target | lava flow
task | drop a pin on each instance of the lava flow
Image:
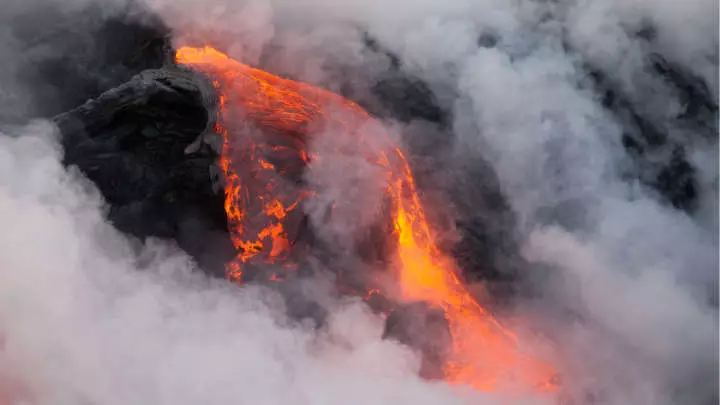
(483, 354)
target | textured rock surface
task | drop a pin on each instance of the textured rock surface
(142, 144)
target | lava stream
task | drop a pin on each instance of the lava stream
(483, 355)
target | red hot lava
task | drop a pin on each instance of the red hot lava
(483, 354)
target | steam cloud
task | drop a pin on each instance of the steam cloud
(88, 318)
(627, 282)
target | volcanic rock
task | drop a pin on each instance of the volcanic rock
(144, 145)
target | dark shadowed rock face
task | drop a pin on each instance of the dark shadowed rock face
(141, 144)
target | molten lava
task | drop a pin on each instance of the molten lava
(483, 353)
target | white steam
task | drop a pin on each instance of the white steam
(86, 317)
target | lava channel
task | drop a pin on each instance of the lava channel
(483, 354)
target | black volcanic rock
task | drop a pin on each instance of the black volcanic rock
(405, 97)
(142, 144)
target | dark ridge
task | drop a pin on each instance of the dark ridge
(139, 143)
(408, 99)
(676, 181)
(404, 96)
(700, 107)
(488, 248)
(660, 162)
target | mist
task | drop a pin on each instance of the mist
(88, 317)
(624, 277)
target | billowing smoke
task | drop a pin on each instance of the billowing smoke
(87, 317)
(597, 120)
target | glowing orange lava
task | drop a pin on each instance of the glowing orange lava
(483, 354)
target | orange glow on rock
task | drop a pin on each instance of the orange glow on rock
(484, 354)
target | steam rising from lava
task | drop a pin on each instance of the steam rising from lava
(483, 355)
(96, 319)
(549, 93)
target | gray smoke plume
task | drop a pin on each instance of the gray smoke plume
(549, 94)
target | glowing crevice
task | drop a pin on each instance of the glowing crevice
(483, 355)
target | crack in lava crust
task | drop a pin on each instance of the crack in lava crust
(483, 354)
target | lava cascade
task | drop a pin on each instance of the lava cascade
(483, 354)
